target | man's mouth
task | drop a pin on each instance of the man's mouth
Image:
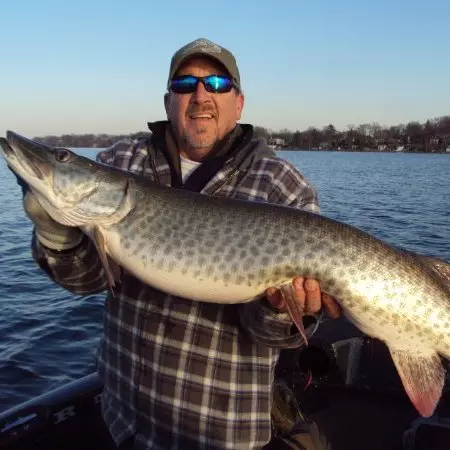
(203, 116)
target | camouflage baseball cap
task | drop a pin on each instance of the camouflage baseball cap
(204, 47)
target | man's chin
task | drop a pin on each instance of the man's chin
(201, 142)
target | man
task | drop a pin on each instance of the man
(176, 373)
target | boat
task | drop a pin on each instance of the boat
(355, 397)
(66, 418)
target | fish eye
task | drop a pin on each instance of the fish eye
(62, 155)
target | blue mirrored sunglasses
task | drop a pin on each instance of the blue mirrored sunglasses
(186, 84)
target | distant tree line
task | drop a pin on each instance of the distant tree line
(430, 136)
(88, 140)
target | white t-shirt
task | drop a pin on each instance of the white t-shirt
(187, 167)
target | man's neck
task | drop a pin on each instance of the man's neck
(195, 154)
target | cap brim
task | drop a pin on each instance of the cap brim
(193, 55)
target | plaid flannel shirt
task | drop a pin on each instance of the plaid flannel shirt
(180, 374)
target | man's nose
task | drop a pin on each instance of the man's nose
(201, 94)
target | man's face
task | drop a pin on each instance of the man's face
(202, 118)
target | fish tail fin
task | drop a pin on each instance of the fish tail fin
(422, 376)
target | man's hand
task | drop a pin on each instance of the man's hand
(308, 294)
(50, 233)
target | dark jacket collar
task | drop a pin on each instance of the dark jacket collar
(229, 147)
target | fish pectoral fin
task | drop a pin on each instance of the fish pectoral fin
(295, 308)
(422, 376)
(111, 268)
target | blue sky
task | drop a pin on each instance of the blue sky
(101, 66)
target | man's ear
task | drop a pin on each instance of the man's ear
(239, 105)
(166, 102)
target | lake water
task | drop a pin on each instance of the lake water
(50, 337)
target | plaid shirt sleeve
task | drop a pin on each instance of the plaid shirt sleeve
(276, 181)
(78, 270)
(291, 188)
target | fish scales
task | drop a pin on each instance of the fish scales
(293, 242)
(228, 251)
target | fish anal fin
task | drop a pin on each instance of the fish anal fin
(422, 376)
(111, 268)
(295, 308)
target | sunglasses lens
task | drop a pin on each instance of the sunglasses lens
(184, 85)
(187, 84)
(218, 83)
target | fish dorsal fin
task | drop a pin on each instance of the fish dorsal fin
(440, 267)
(111, 268)
(422, 376)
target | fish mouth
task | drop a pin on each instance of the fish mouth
(24, 156)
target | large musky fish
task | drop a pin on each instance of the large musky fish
(228, 251)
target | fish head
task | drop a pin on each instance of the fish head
(73, 189)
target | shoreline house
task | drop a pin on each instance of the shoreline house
(276, 143)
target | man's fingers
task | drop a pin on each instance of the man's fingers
(275, 298)
(313, 296)
(299, 289)
(331, 305)
(308, 296)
